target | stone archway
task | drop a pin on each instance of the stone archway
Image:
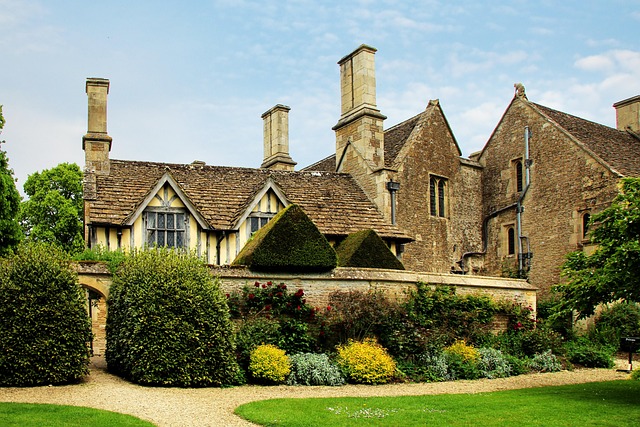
(97, 311)
(96, 279)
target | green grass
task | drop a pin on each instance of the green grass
(33, 414)
(613, 403)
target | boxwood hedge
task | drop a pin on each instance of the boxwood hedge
(366, 249)
(289, 242)
(45, 330)
(168, 322)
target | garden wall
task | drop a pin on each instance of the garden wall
(317, 286)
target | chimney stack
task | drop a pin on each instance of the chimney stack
(97, 143)
(361, 123)
(628, 114)
(276, 139)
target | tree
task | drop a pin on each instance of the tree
(611, 272)
(53, 212)
(10, 233)
(45, 329)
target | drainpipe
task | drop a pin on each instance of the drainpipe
(393, 187)
(485, 237)
(520, 208)
(219, 240)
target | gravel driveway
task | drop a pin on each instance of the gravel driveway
(214, 406)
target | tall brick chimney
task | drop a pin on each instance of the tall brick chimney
(628, 114)
(276, 139)
(97, 143)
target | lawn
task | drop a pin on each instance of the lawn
(613, 403)
(32, 414)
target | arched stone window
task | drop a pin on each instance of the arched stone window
(438, 196)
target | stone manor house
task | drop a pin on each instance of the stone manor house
(514, 208)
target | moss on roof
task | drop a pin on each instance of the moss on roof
(290, 242)
(366, 249)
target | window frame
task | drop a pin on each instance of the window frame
(175, 230)
(438, 197)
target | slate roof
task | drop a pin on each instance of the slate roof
(333, 201)
(619, 149)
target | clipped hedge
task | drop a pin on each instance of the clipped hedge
(168, 322)
(45, 329)
(366, 249)
(289, 242)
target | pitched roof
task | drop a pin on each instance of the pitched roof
(394, 139)
(334, 201)
(619, 149)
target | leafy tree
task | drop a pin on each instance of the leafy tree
(45, 329)
(53, 212)
(10, 233)
(611, 272)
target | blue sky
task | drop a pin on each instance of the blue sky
(190, 80)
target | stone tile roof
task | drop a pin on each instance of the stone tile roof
(619, 149)
(333, 201)
(394, 139)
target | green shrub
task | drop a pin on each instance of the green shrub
(45, 329)
(467, 352)
(442, 312)
(290, 242)
(459, 368)
(429, 367)
(635, 375)
(292, 323)
(355, 315)
(544, 362)
(313, 369)
(616, 320)
(113, 259)
(168, 322)
(269, 365)
(517, 366)
(252, 332)
(365, 362)
(366, 249)
(590, 354)
(493, 364)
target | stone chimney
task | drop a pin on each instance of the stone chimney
(276, 139)
(97, 143)
(361, 123)
(628, 114)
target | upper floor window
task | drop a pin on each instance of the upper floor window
(585, 225)
(518, 174)
(437, 196)
(256, 221)
(167, 228)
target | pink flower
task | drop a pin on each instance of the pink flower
(251, 296)
(264, 286)
(257, 284)
(299, 293)
(269, 283)
(328, 308)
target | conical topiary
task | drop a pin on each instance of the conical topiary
(366, 249)
(290, 242)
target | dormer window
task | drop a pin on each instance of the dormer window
(166, 228)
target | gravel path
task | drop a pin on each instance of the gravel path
(214, 406)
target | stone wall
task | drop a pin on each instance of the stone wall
(319, 286)
(439, 241)
(566, 183)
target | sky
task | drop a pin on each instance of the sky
(190, 80)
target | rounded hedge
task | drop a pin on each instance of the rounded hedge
(45, 329)
(168, 322)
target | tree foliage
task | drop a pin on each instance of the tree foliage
(168, 322)
(10, 233)
(53, 212)
(611, 272)
(45, 329)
